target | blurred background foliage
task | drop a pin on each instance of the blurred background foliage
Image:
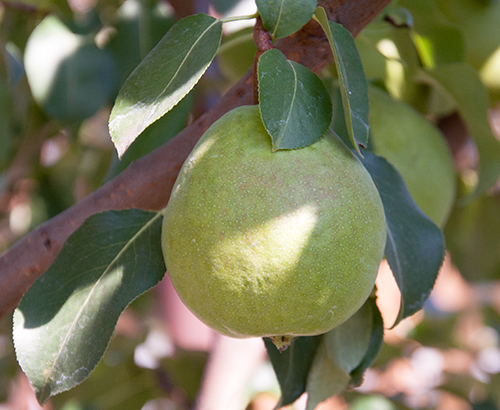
(62, 63)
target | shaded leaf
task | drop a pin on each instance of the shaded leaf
(415, 245)
(164, 77)
(292, 366)
(353, 85)
(6, 129)
(461, 82)
(64, 322)
(341, 351)
(282, 18)
(294, 104)
(374, 345)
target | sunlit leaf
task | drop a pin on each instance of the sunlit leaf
(353, 85)
(64, 322)
(294, 104)
(164, 77)
(282, 18)
(415, 245)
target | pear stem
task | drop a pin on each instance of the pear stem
(281, 342)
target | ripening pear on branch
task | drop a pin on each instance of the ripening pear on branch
(277, 244)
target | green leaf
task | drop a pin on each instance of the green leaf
(437, 40)
(164, 77)
(353, 85)
(282, 18)
(292, 366)
(374, 345)
(69, 76)
(6, 129)
(294, 104)
(415, 245)
(139, 25)
(472, 238)
(65, 320)
(461, 83)
(154, 136)
(341, 351)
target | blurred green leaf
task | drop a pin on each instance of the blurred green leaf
(282, 18)
(294, 104)
(60, 7)
(140, 25)
(292, 365)
(70, 78)
(6, 131)
(415, 246)
(353, 86)
(65, 320)
(164, 77)
(473, 240)
(461, 83)
(341, 351)
(437, 40)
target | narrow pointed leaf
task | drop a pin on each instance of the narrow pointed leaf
(341, 351)
(415, 245)
(282, 18)
(353, 85)
(65, 320)
(164, 77)
(292, 366)
(294, 104)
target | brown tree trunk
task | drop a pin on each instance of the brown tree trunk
(146, 184)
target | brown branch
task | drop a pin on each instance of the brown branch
(146, 184)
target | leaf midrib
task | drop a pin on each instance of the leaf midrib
(295, 81)
(87, 300)
(154, 104)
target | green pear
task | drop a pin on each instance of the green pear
(417, 150)
(277, 244)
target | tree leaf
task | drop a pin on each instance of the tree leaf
(65, 320)
(69, 76)
(292, 365)
(374, 345)
(415, 245)
(282, 18)
(353, 85)
(461, 82)
(294, 104)
(341, 351)
(164, 77)
(437, 40)
(155, 135)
